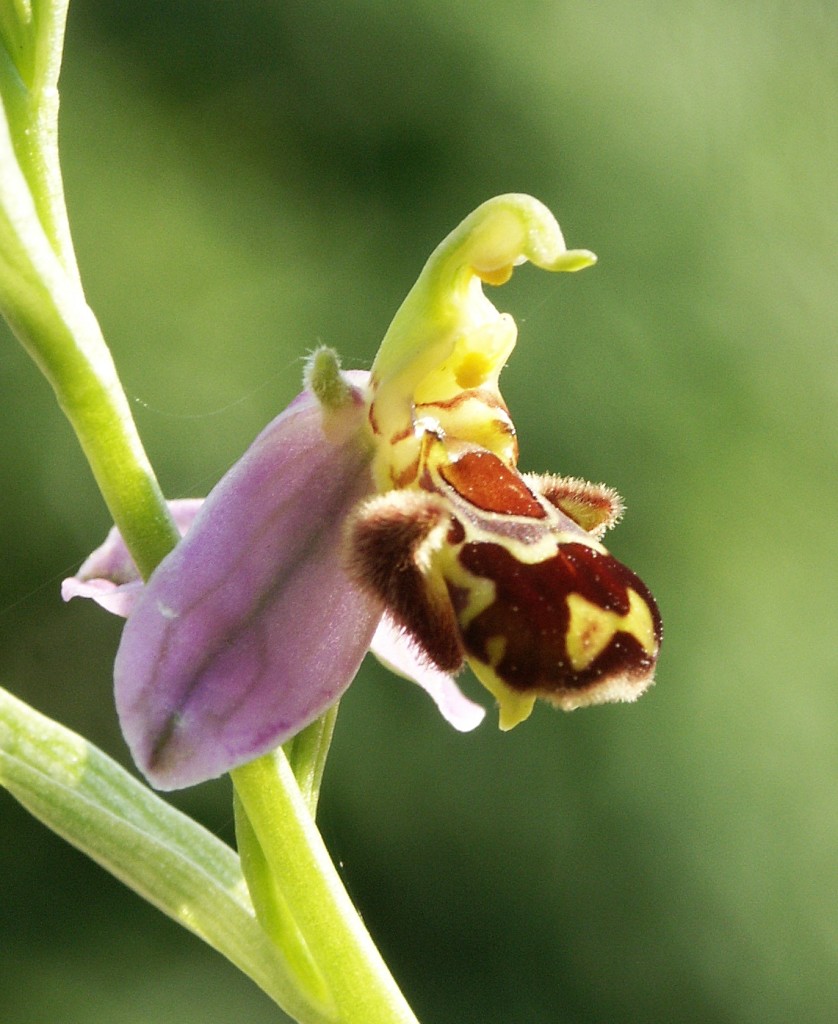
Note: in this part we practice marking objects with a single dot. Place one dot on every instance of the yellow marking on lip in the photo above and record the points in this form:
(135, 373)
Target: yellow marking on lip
(481, 590)
(592, 628)
(496, 648)
(514, 706)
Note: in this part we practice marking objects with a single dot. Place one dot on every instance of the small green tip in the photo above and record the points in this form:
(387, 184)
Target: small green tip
(575, 259)
(323, 378)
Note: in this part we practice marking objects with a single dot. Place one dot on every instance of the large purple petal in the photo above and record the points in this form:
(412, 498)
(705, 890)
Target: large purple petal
(250, 629)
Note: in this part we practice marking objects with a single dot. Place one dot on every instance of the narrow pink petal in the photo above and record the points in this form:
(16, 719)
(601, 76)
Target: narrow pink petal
(116, 598)
(250, 629)
(109, 576)
(394, 649)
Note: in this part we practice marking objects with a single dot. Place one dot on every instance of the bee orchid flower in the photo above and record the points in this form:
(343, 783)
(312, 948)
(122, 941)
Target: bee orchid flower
(383, 509)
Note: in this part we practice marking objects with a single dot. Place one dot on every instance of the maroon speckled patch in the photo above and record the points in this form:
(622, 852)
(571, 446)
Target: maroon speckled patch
(530, 613)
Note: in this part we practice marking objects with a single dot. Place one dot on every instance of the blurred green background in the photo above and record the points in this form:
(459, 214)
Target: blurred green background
(246, 180)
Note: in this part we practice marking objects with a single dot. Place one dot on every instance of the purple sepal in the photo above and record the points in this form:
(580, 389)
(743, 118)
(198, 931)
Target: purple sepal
(250, 629)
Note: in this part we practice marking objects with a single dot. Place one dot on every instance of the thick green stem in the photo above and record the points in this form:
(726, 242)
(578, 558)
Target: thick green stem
(48, 312)
(306, 753)
(40, 292)
(274, 916)
(357, 978)
(31, 44)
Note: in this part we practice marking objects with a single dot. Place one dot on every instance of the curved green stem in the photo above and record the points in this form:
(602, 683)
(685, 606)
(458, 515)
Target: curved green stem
(31, 44)
(48, 312)
(306, 753)
(356, 977)
(275, 918)
(40, 292)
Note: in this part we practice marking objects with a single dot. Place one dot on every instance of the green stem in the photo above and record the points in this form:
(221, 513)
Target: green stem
(48, 312)
(274, 916)
(32, 41)
(307, 753)
(356, 976)
(40, 292)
